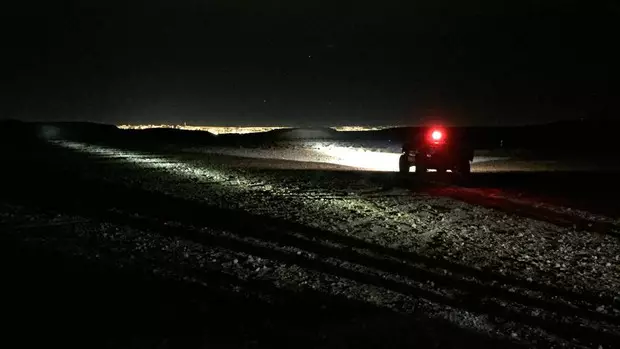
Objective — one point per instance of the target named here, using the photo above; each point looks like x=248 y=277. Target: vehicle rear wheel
x=465 y=168
x=420 y=166
x=403 y=164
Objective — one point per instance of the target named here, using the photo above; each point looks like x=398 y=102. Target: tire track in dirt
x=275 y=232
x=528 y=209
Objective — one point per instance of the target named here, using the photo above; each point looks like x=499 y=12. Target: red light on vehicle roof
x=436 y=135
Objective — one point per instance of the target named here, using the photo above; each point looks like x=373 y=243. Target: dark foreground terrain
x=126 y=245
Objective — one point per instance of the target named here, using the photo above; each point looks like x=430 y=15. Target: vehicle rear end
x=437 y=150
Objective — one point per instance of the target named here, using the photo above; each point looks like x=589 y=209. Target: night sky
x=310 y=63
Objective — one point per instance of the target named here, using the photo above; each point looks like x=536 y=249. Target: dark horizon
x=235 y=63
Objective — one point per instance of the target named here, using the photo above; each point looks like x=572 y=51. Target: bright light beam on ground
x=359 y=157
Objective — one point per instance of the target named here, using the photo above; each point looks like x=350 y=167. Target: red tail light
x=436 y=135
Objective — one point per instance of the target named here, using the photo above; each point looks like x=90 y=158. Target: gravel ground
x=380 y=260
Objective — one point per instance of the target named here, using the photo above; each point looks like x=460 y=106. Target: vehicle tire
x=420 y=168
x=465 y=168
x=403 y=164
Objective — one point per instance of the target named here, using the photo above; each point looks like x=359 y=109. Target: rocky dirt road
x=184 y=249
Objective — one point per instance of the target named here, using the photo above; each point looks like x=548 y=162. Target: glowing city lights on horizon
x=241 y=129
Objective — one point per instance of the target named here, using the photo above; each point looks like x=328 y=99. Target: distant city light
x=212 y=129
x=242 y=129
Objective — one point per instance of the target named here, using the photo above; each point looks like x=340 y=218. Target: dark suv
x=435 y=149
